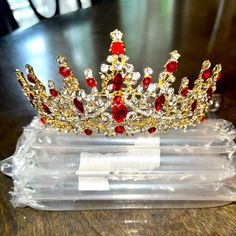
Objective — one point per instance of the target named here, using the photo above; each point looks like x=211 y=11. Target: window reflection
x=25 y=16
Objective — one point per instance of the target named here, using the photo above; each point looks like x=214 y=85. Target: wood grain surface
x=199 y=29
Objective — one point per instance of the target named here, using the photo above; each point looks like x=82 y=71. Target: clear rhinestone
x=185 y=81
x=174 y=55
x=171 y=91
x=116 y=35
x=206 y=65
x=118 y=66
x=163 y=90
x=51 y=84
x=162 y=75
x=88 y=73
x=148 y=71
x=94 y=90
x=136 y=76
x=126 y=58
x=110 y=87
x=81 y=94
x=140 y=89
x=129 y=68
x=61 y=59
x=104 y=68
x=76 y=130
x=111 y=58
x=99 y=103
x=172 y=79
x=152 y=88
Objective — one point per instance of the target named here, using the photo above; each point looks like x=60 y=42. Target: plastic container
x=191 y=168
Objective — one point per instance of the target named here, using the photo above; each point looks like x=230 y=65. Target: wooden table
x=198 y=29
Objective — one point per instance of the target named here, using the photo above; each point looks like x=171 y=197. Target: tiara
x=122 y=106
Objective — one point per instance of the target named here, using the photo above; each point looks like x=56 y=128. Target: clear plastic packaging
x=192 y=168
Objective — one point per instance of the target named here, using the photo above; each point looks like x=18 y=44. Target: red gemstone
x=117 y=82
x=30 y=78
x=53 y=92
x=152 y=130
x=202 y=118
x=117 y=48
x=46 y=109
x=88 y=131
x=117 y=99
x=91 y=82
x=209 y=93
x=79 y=105
x=172 y=66
x=160 y=102
x=146 y=81
x=20 y=82
x=31 y=96
x=184 y=91
x=43 y=120
x=218 y=76
x=65 y=71
x=119 y=112
x=120 y=129
x=193 y=106
x=206 y=74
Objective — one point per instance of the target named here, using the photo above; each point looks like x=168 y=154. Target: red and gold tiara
x=123 y=106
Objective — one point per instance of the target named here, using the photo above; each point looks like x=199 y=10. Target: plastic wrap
x=191 y=168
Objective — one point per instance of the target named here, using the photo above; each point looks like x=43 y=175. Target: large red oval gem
x=117 y=48
x=172 y=66
x=79 y=105
x=117 y=82
x=160 y=102
x=119 y=112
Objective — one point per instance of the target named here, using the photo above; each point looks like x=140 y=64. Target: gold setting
x=93 y=110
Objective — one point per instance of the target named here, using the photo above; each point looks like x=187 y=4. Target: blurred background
x=25 y=13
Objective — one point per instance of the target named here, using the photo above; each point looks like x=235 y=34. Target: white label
x=93 y=173
x=95 y=168
x=93 y=184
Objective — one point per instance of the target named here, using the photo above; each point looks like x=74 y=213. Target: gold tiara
x=122 y=106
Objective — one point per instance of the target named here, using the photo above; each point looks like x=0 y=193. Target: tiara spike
x=126 y=104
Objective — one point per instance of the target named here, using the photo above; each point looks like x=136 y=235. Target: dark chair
x=7 y=20
x=41 y=17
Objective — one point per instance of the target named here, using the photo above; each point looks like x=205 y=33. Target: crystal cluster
x=128 y=103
